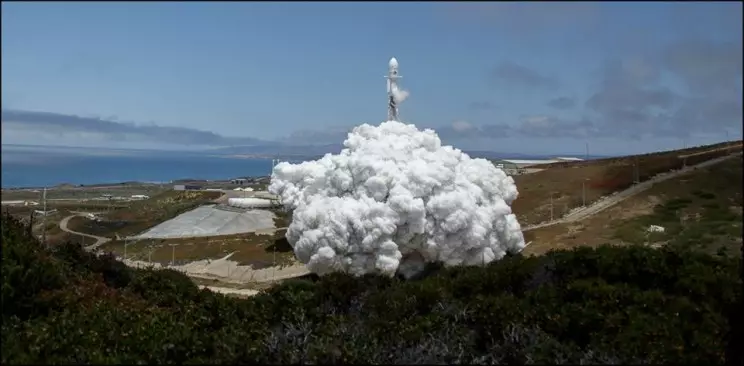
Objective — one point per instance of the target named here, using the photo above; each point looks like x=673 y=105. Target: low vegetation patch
x=701 y=211
x=260 y=251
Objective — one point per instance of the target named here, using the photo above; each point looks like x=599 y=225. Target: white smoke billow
x=398 y=94
x=393 y=199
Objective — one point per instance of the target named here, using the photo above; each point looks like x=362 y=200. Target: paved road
x=99 y=239
x=607 y=202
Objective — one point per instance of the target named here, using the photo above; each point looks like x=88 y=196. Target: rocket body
x=392 y=74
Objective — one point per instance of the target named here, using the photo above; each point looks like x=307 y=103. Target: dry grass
x=599 y=177
x=701 y=210
x=256 y=250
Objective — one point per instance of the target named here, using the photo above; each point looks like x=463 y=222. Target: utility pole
x=636 y=175
x=43 y=219
x=173 y=254
x=551 y=206
x=583 y=193
x=149 y=255
x=586 y=156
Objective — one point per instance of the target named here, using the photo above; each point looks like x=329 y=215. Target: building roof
x=506 y=163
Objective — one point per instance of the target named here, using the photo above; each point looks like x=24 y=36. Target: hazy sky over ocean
x=515 y=77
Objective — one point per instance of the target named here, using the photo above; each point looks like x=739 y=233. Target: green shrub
x=163 y=287
x=605 y=305
x=28 y=270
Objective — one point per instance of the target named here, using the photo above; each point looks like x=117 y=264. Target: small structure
x=507 y=166
x=186 y=187
x=140 y=197
x=45 y=213
x=561 y=158
x=249 y=202
x=238 y=181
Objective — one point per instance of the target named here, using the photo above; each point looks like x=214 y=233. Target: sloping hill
x=701 y=209
x=564 y=186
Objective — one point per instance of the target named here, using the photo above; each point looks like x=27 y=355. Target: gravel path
x=99 y=239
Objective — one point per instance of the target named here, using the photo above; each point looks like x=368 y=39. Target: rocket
x=392 y=87
x=392 y=75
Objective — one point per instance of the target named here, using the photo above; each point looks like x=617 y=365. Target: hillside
x=602 y=305
x=564 y=186
x=700 y=210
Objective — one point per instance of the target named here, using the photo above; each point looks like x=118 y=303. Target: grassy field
x=141 y=215
x=261 y=251
x=84 y=192
x=701 y=210
x=570 y=182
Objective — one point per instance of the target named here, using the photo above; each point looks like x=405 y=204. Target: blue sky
x=512 y=77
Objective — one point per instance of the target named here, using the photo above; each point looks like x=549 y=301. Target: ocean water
x=48 y=168
x=44 y=166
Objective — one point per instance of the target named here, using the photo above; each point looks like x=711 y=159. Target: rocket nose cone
x=393 y=62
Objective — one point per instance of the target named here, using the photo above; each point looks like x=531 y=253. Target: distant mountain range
x=277 y=150
x=306 y=151
x=259 y=151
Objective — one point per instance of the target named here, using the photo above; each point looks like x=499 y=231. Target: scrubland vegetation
x=589 y=305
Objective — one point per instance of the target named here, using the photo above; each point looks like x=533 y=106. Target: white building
x=249 y=202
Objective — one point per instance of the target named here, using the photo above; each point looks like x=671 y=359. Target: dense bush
x=27 y=270
x=600 y=306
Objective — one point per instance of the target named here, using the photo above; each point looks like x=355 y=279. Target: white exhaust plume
x=393 y=199
x=399 y=94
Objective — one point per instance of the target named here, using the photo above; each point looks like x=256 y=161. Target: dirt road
x=99 y=239
x=230 y=291
x=604 y=203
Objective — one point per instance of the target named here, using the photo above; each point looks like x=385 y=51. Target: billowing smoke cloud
x=394 y=199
